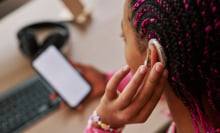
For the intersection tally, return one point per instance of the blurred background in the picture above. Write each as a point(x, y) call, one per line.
point(8, 6)
point(94, 40)
point(92, 44)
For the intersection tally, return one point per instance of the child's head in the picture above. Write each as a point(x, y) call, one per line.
point(189, 32)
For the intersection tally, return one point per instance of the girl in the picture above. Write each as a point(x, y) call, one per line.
point(188, 31)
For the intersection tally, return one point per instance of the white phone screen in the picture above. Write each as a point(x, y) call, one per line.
point(62, 76)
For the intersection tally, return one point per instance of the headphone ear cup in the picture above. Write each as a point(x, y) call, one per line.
point(28, 43)
point(56, 39)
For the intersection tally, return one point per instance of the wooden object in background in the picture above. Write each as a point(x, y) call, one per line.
point(7, 6)
point(81, 15)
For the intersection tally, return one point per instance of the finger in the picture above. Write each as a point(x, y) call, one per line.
point(81, 67)
point(62, 105)
point(147, 90)
point(151, 82)
point(73, 63)
point(145, 112)
point(130, 90)
point(79, 108)
point(53, 96)
point(112, 85)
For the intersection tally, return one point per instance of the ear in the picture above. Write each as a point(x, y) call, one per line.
point(155, 53)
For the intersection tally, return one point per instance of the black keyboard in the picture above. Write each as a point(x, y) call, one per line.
point(24, 104)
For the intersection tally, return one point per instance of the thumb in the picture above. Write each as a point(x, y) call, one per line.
point(77, 65)
point(73, 63)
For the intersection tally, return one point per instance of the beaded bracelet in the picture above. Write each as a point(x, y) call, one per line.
point(106, 127)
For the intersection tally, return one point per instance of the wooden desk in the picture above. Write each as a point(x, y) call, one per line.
point(99, 44)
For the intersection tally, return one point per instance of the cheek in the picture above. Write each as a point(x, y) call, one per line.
point(133, 58)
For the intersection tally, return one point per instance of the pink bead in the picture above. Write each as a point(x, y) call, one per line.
point(198, 2)
point(215, 71)
point(173, 78)
point(213, 9)
point(182, 65)
point(203, 13)
point(193, 25)
point(184, 1)
point(208, 28)
point(186, 6)
point(217, 24)
point(217, 130)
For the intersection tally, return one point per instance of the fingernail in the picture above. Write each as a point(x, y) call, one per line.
point(159, 67)
point(125, 68)
point(143, 69)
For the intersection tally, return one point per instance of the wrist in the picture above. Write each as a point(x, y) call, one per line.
point(96, 122)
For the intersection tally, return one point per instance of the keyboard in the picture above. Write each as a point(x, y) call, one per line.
point(25, 104)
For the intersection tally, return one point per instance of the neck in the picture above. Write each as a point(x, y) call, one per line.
point(181, 115)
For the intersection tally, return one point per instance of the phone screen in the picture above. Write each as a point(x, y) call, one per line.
point(61, 75)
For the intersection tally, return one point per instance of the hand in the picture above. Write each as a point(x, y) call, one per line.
point(96, 78)
point(137, 101)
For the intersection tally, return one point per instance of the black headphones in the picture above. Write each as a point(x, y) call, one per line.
point(28, 42)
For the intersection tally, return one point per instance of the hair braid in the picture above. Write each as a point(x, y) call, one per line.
point(189, 32)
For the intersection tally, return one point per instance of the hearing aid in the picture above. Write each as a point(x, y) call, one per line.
point(160, 52)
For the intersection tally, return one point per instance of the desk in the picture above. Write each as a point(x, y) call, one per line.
point(99, 45)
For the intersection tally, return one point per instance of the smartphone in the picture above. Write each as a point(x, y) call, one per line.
point(58, 72)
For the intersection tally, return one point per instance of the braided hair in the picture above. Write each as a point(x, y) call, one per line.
point(189, 33)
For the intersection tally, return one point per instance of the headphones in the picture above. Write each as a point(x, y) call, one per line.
point(28, 43)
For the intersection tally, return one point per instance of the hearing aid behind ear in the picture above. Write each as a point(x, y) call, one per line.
point(160, 52)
